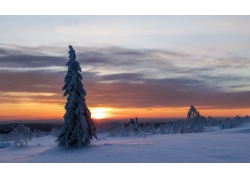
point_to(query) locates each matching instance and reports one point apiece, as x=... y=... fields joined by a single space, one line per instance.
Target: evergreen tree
x=192 y=112
x=136 y=124
x=78 y=127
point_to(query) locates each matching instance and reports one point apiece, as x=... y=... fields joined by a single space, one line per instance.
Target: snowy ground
x=214 y=145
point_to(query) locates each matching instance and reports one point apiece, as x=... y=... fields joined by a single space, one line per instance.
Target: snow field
x=212 y=146
x=215 y=153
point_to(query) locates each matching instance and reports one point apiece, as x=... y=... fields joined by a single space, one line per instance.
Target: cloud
x=125 y=78
x=38 y=81
x=29 y=61
x=3 y=52
x=127 y=95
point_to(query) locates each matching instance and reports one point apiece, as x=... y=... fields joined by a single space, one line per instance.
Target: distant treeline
x=46 y=127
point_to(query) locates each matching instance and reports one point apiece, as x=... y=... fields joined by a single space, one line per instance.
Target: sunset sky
x=144 y=66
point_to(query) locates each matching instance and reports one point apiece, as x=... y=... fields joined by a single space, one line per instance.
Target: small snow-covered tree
x=55 y=131
x=117 y=128
x=162 y=129
x=195 y=122
x=78 y=127
x=176 y=128
x=168 y=127
x=192 y=112
x=134 y=123
x=141 y=132
x=130 y=129
x=20 y=134
x=151 y=128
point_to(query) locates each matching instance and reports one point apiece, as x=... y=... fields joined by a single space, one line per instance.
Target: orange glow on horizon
x=38 y=111
x=123 y=113
x=30 y=111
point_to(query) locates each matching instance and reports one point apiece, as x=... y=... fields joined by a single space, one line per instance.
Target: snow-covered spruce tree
x=78 y=127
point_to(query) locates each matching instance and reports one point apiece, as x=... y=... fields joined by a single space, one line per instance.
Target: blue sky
x=167 y=32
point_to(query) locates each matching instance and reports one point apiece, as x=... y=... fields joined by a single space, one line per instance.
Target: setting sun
x=98 y=113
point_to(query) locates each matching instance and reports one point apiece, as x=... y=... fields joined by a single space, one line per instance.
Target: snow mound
x=243 y=131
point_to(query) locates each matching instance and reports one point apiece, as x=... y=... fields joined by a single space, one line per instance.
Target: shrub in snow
x=236 y=121
x=55 y=131
x=135 y=123
x=150 y=128
x=247 y=119
x=144 y=127
x=182 y=127
x=176 y=128
x=4 y=137
x=162 y=129
x=194 y=125
x=78 y=127
x=117 y=128
x=225 y=124
x=11 y=135
x=168 y=128
x=132 y=121
x=20 y=135
x=141 y=132
x=179 y=127
x=103 y=126
x=215 y=122
x=208 y=122
x=130 y=129
x=39 y=133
